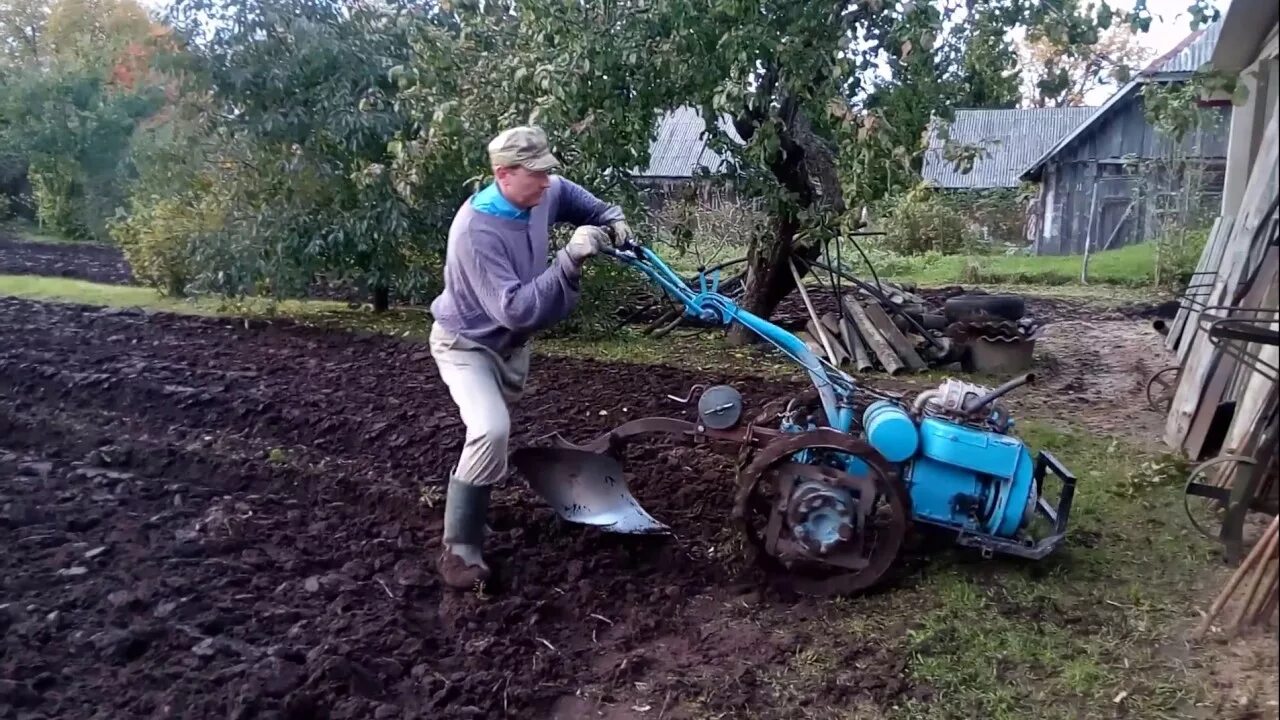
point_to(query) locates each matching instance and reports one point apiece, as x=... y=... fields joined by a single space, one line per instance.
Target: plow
x=830 y=483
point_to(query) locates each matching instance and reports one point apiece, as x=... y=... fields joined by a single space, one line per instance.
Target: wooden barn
x=1117 y=180
x=999 y=143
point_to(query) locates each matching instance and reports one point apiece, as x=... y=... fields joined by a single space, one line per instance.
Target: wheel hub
x=827 y=531
x=821 y=516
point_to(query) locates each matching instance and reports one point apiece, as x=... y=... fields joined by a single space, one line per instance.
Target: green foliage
x=75 y=88
x=159 y=236
x=73 y=128
x=924 y=221
x=609 y=292
x=1178 y=253
x=306 y=158
x=336 y=140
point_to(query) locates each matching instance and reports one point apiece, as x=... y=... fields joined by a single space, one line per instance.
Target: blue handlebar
x=834 y=386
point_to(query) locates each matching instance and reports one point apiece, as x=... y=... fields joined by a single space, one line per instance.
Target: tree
x=22 y=26
x=305 y=103
x=75 y=88
x=968 y=65
x=1052 y=77
x=772 y=77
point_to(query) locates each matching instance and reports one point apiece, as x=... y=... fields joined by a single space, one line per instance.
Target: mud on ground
x=204 y=519
x=82 y=261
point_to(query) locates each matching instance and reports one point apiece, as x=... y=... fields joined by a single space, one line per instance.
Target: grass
x=1124 y=274
x=702 y=351
x=1131 y=266
x=37 y=287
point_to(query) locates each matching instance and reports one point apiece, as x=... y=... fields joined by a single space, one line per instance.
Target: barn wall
x=1142 y=180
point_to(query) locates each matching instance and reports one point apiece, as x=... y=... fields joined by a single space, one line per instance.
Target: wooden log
x=861 y=356
x=1251 y=564
x=879 y=345
x=901 y=345
x=1190 y=329
x=813 y=314
x=1207 y=260
x=1226 y=370
x=662 y=320
x=1260 y=597
x=839 y=355
x=810 y=342
x=1262 y=575
x=1200 y=351
x=831 y=323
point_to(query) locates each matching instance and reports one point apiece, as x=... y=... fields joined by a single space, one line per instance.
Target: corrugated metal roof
x=679 y=147
x=1011 y=139
x=1185 y=58
x=1188 y=56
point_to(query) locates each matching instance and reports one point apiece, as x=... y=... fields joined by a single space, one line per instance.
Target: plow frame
x=835 y=387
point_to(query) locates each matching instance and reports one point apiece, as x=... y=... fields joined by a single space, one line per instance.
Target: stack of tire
x=997 y=336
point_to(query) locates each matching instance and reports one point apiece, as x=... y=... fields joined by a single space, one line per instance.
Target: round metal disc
x=720 y=407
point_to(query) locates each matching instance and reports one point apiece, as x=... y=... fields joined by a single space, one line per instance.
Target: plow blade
x=585 y=487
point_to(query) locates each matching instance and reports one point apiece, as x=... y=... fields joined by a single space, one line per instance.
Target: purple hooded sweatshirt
x=499 y=288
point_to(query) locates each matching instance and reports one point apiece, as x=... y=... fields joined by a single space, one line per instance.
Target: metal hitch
x=585 y=487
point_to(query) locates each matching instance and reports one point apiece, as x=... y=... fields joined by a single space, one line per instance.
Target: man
x=500 y=290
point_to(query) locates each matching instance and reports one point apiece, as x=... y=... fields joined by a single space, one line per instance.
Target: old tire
x=967 y=307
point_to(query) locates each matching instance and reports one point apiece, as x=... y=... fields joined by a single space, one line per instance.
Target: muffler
x=585 y=487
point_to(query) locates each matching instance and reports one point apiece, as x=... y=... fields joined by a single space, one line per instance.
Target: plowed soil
x=97 y=263
x=204 y=518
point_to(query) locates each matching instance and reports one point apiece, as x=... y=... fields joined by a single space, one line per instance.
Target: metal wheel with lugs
x=825 y=531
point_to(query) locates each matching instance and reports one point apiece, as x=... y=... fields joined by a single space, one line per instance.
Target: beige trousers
x=483 y=385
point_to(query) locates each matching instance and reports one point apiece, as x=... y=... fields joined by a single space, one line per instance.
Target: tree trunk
x=768 y=277
x=381 y=298
x=806 y=169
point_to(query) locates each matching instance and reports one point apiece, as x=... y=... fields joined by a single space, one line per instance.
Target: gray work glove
x=622 y=234
x=587 y=241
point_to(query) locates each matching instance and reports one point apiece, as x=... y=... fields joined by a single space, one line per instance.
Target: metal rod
x=813 y=314
x=994 y=395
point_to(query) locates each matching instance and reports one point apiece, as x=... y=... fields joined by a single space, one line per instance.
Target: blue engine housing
x=958 y=476
x=972 y=479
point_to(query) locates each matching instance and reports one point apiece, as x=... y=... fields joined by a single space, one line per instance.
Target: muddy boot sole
x=458 y=574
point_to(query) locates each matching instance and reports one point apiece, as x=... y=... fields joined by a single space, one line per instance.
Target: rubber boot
x=461 y=565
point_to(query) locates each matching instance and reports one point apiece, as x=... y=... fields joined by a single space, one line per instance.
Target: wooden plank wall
x=1208 y=377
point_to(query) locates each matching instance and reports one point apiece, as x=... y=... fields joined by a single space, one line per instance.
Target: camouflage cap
x=526 y=146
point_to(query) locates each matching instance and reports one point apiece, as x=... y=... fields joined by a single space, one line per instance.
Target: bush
x=923 y=221
x=1179 y=253
x=158 y=237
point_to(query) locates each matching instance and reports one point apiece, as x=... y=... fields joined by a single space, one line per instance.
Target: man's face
x=523 y=187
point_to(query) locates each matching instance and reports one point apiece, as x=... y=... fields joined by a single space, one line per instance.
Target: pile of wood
x=863 y=336
x=1255 y=587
